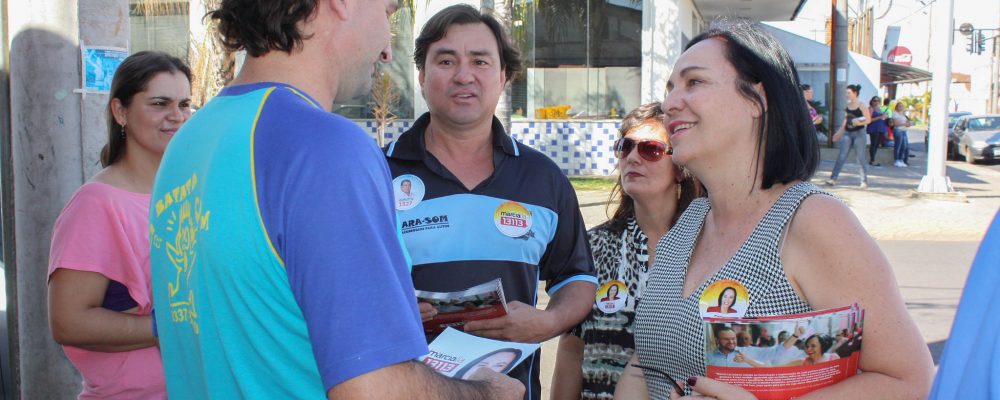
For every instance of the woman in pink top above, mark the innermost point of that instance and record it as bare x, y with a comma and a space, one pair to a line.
99, 280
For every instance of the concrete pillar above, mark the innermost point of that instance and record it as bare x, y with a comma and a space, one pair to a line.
661, 46
839, 66
936, 180
54, 139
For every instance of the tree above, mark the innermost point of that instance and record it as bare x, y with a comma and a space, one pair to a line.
384, 100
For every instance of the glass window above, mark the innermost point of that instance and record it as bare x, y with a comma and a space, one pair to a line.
159, 25
584, 54
400, 71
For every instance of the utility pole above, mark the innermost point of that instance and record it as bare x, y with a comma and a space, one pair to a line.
838, 64
936, 180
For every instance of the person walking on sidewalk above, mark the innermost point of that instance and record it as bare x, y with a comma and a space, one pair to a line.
901, 145
877, 129
857, 116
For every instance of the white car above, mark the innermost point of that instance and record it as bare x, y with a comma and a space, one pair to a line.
978, 137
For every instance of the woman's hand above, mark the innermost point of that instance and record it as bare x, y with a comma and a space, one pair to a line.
705, 388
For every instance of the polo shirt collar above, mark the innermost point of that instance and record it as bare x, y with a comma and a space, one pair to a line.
411, 145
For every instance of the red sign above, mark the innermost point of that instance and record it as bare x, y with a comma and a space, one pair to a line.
900, 55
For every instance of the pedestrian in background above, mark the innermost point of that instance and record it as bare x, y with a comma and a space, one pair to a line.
901, 145
857, 115
877, 129
99, 297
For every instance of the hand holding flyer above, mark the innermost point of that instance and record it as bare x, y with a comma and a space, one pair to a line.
483, 301
460, 355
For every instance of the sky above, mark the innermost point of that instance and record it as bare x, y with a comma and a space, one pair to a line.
913, 16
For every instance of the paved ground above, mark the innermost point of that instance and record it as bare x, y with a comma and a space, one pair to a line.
930, 242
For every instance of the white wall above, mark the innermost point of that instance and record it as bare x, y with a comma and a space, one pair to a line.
664, 23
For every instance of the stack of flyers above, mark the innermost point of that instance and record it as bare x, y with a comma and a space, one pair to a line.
783, 357
482, 301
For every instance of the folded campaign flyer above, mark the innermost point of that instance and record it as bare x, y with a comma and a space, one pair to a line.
482, 301
785, 357
459, 355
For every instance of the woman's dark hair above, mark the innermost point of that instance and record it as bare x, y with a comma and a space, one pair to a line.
786, 133
856, 88
805, 86
691, 188
468, 367
130, 78
259, 26
825, 342
462, 14
875, 100
723, 292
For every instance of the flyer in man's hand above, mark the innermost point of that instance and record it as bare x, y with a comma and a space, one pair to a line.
482, 301
459, 355
784, 357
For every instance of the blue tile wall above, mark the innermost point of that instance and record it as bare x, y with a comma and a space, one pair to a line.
579, 148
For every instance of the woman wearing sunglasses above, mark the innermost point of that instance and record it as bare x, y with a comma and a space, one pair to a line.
651, 192
792, 247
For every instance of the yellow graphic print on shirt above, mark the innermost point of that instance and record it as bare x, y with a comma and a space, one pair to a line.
186, 219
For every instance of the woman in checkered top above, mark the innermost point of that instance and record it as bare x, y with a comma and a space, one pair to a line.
737, 121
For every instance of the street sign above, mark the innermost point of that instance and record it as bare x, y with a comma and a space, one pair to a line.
900, 55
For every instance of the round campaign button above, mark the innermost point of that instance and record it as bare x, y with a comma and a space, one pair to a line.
512, 219
408, 190
724, 299
611, 296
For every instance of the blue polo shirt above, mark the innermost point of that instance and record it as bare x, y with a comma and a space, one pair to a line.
522, 224
277, 268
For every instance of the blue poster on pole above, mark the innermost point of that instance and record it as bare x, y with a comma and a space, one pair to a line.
99, 65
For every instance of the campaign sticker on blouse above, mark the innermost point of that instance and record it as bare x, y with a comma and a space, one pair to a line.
512, 219
409, 191
611, 296
724, 299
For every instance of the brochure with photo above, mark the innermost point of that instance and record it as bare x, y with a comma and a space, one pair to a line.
459, 355
784, 357
483, 301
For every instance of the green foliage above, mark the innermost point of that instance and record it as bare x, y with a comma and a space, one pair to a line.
592, 183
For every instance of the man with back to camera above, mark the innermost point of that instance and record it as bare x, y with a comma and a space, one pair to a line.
266, 201
491, 207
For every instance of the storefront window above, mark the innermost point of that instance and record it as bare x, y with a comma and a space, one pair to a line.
400, 70
582, 54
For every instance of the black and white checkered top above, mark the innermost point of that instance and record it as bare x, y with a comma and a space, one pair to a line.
669, 333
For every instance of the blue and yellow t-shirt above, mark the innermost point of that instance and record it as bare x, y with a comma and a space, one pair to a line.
277, 267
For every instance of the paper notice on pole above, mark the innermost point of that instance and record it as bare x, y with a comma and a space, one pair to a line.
841, 75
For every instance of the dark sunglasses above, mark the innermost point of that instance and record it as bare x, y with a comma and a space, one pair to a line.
650, 150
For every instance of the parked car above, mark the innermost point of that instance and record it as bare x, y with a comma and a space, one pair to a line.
978, 137
952, 140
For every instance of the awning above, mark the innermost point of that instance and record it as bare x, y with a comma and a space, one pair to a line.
898, 73
758, 10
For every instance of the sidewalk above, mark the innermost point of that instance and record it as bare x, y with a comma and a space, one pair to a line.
887, 209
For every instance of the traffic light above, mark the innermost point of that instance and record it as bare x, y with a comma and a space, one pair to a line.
971, 46
980, 42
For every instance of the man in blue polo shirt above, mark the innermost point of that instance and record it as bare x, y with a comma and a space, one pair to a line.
266, 204
481, 205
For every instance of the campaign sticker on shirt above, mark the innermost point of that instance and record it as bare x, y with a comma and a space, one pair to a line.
724, 299
409, 191
611, 296
512, 219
